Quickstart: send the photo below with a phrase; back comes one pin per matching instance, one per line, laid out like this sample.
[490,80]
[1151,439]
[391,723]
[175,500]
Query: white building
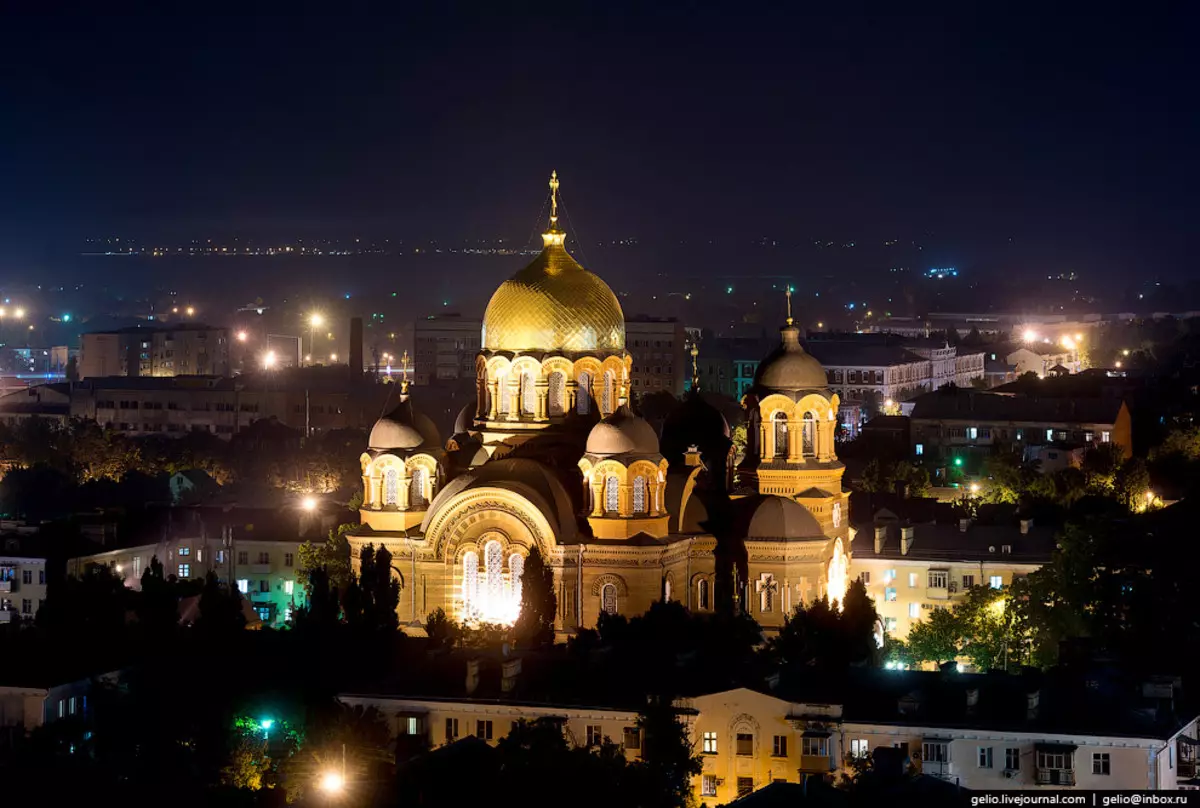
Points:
[22,582]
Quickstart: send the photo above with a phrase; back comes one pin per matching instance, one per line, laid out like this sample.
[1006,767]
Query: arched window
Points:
[607,405]
[612,495]
[470,586]
[702,593]
[810,435]
[639,494]
[505,404]
[391,487]
[781,433]
[658,494]
[666,590]
[516,568]
[583,395]
[608,599]
[493,565]
[416,488]
[528,394]
[557,389]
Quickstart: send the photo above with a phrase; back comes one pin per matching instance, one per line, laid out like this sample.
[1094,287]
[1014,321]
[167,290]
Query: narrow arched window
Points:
[781,433]
[391,487]
[612,494]
[666,590]
[493,566]
[416,488]
[639,494]
[470,585]
[810,435]
[504,394]
[702,593]
[528,394]
[583,395]
[557,389]
[607,404]
[516,568]
[608,599]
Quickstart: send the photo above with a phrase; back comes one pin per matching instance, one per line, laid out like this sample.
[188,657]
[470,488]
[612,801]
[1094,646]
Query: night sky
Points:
[1073,134]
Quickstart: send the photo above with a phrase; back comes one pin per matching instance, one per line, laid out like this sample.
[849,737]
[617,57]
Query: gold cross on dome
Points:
[553,197]
[789,304]
[404,368]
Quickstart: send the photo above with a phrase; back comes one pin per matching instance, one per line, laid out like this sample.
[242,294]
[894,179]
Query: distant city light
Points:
[191,310]
[333,357]
[1030,335]
[958,461]
[728,290]
[242,336]
[332,783]
[315,319]
[66,318]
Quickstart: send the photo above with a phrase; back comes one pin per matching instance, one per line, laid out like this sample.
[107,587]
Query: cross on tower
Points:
[404,368]
[553,198]
[789,304]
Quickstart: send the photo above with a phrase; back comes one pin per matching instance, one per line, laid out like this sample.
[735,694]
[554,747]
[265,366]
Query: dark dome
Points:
[769,517]
[465,422]
[695,422]
[789,367]
[622,433]
[404,428]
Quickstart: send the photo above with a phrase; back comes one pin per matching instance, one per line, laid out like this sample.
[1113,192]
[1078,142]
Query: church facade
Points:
[551,456]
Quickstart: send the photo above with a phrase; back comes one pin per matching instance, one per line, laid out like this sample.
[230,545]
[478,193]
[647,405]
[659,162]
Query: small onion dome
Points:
[403,428]
[773,518]
[620,433]
[790,367]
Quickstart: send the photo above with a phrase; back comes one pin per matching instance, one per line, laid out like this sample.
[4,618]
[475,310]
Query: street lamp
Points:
[1030,335]
[269,360]
[333,357]
[332,783]
[309,504]
[191,310]
[242,336]
[315,320]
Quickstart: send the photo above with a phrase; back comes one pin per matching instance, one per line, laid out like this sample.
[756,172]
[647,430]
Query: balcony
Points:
[1055,777]
[6,586]
[260,597]
[255,569]
[6,615]
[816,764]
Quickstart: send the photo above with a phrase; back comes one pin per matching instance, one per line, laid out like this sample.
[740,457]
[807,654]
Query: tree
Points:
[535,624]
[1131,483]
[332,556]
[828,634]
[986,625]
[935,639]
[385,593]
[220,607]
[1100,466]
[669,761]
[443,631]
[1182,441]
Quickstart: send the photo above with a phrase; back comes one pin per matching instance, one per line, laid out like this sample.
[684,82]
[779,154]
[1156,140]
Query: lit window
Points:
[985,757]
[185,571]
[289,587]
[608,599]
[451,729]
[745,744]
[914,610]
[995,582]
[972,432]
[745,785]
[1101,763]
[920,449]
[483,729]
[62,708]
[288,560]
[593,735]
[935,752]
[702,593]
[612,499]
[779,746]
[968,581]
[72,709]
[938,579]
[859,747]
[912,580]
[632,738]
[1106,437]
[639,494]
[243,585]
[1049,435]
[391,487]
[889,624]
[185,551]
[889,594]
[412,725]
[1012,759]
[889,576]
[814,747]
[710,743]
[708,785]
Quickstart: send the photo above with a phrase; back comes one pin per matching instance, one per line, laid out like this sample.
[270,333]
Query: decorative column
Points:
[763,452]
[795,435]
[377,492]
[368,499]
[493,395]
[543,398]
[569,396]
[597,494]
[625,499]
[824,440]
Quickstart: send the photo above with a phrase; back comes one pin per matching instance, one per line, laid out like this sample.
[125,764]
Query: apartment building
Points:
[444,348]
[1090,731]
[1044,360]
[912,569]
[658,346]
[177,350]
[967,424]
[256,548]
[22,581]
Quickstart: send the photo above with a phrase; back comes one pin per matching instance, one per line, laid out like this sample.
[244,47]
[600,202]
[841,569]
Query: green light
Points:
[266,723]
[728,290]
[958,461]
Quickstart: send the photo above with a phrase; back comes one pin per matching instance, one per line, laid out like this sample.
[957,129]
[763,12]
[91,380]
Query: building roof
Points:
[855,354]
[948,542]
[622,433]
[789,368]
[767,517]
[956,403]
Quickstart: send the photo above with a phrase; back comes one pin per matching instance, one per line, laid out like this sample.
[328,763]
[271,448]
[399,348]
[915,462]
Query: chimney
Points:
[1025,525]
[356,347]
[906,539]
[1032,702]
[472,676]
[509,671]
[963,525]
[880,536]
[691,458]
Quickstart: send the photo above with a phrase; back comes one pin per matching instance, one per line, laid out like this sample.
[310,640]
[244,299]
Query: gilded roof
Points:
[554,304]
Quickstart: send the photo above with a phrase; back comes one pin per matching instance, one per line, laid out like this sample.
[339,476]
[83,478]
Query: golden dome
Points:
[554,304]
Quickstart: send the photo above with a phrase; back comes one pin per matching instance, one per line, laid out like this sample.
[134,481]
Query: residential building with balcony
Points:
[968,424]
[22,579]
[912,569]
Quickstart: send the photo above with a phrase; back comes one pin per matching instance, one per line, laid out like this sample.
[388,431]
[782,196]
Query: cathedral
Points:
[551,456]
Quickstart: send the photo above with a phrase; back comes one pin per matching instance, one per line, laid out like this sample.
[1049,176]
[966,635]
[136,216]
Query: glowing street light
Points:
[315,321]
[333,357]
[1030,335]
[332,783]
[242,336]
[269,360]
[974,488]
[309,504]
[190,311]
[19,313]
